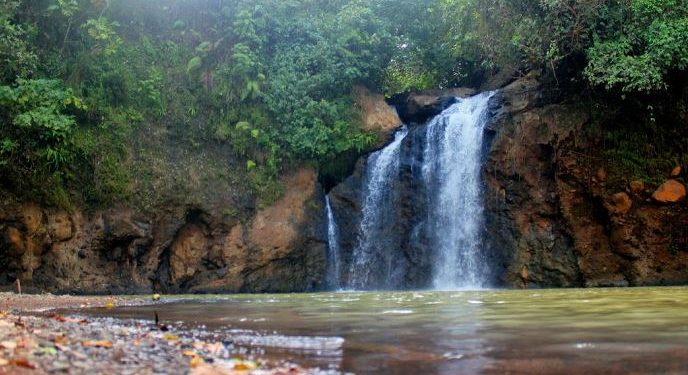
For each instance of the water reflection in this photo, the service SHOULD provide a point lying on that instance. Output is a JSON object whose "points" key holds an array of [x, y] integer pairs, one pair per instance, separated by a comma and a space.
{"points": [[544, 332]]}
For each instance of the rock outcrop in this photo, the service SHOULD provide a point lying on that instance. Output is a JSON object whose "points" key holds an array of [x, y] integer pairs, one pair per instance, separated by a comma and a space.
{"points": [[377, 116], [181, 249], [549, 214]]}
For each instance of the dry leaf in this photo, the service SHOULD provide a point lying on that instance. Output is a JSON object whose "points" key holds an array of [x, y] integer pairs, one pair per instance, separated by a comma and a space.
{"points": [[22, 362], [171, 337], [196, 361], [97, 344], [3, 362], [62, 340], [189, 353]]}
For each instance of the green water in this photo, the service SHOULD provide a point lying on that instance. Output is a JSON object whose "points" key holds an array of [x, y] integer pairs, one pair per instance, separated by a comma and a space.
{"points": [[610, 331]]}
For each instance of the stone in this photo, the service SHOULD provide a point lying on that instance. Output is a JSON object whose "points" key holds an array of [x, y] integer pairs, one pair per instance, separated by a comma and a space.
{"points": [[676, 171], [377, 115], [601, 175], [186, 253], [60, 226], [637, 186], [671, 191], [622, 203]]}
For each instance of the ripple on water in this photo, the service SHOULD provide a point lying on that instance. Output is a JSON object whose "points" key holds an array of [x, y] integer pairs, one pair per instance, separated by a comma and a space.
{"points": [[398, 312]]}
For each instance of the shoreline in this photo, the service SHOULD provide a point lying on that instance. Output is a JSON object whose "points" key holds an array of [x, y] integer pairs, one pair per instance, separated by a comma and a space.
{"points": [[34, 339]]}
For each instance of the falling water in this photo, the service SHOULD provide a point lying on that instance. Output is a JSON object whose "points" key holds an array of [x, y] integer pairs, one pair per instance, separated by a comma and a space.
{"points": [[422, 214], [334, 254], [371, 255], [451, 172]]}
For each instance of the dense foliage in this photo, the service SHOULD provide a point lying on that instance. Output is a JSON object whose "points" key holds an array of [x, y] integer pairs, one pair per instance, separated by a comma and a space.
{"points": [[86, 83]]}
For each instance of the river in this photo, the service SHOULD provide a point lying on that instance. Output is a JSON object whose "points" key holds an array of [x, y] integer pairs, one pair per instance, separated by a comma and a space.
{"points": [[642, 330]]}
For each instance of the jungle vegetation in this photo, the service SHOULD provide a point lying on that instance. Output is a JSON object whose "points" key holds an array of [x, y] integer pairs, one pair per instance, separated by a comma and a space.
{"points": [[82, 82]]}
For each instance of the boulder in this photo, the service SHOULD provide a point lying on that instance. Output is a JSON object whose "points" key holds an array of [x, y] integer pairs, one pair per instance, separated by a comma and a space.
{"points": [[418, 107], [377, 115], [671, 191], [621, 203], [676, 171], [637, 186], [601, 175]]}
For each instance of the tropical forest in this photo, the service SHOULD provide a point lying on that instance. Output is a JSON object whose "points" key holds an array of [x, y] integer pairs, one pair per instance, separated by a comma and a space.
{"points": [[217, 187]]}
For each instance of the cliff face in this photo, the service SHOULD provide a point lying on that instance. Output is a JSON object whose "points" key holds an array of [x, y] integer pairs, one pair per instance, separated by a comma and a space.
{"points": [[551, 220], [550, 217], [180, 249]]}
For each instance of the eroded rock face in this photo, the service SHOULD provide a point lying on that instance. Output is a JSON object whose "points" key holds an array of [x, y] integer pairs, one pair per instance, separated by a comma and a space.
{"points": [[378, 116], [180, 249], [549, 216]]}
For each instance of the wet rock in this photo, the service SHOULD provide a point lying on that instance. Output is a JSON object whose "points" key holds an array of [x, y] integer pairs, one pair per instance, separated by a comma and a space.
{"points": [[601, 175], [637, 187], [621, 202], [418, 107], [671, 191], [676, 172]]}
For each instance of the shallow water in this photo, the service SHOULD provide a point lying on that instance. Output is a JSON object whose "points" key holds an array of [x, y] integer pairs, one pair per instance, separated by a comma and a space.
{"points": [[609, 331]]}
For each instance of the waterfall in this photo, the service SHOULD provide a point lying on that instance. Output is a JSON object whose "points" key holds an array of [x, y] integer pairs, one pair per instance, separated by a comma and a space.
{"points": [[334, 255], [421, 216], [451, 171], [371, 253]]}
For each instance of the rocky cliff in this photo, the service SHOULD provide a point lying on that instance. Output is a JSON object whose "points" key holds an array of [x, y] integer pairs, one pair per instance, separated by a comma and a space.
{"points": [[178, 249], [551, 218]]}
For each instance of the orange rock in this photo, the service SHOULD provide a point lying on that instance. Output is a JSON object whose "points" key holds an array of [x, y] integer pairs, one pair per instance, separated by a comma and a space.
{"points": [[637, 186], [671, 191], [622, 202], [676, 171]]}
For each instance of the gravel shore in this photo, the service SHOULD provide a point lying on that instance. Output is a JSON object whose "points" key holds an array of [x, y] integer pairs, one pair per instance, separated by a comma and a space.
{"points": [[36, 340]]}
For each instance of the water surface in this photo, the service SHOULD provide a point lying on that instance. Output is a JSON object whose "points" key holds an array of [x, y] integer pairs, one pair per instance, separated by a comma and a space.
{"points": [[611, 331]]}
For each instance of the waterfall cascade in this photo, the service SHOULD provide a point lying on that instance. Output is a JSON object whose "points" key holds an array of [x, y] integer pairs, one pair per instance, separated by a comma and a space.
{"points": [[441, 219], [334, 256], [372, 256]]}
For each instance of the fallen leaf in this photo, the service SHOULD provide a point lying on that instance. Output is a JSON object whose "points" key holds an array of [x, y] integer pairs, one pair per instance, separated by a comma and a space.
{"points": [[196, 361], [189, 353], [171, 337], [109, 305], [4, 362], [61, 339], [97, 344], [22, 362], [59, 318]]}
